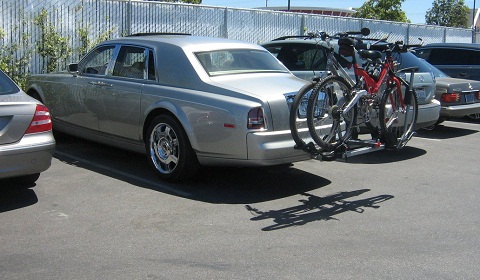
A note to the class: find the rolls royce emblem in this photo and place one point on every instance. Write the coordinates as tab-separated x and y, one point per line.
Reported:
470	86
421	78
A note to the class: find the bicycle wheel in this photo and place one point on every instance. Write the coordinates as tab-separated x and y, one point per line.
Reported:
396	125
298	120
328	125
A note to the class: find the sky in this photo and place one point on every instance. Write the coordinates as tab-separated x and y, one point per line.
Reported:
414	9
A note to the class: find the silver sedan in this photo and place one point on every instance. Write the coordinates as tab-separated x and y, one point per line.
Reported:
185	101
26	140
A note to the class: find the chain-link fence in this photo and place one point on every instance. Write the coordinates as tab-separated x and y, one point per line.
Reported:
83	22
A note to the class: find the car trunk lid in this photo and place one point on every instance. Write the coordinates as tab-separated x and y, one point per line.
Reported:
15	117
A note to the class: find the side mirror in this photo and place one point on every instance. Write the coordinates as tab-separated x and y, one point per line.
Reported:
73	69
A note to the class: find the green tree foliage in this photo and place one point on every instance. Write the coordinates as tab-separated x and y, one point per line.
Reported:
390	10
52	46
450	13
15	58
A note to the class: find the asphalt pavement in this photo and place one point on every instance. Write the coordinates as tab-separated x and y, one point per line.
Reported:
101	213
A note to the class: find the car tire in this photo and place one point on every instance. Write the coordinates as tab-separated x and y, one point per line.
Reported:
169	151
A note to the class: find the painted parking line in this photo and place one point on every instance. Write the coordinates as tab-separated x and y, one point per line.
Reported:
155	184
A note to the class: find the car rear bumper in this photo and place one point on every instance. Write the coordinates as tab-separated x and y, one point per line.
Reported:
271	148
264	149
460	110
33	154
428	114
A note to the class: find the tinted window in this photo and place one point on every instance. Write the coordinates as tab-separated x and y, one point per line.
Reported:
6	85
454	57
151	66
97	61
130	63
238	61
298	57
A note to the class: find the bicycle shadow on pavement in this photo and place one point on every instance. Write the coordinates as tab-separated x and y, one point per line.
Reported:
317	208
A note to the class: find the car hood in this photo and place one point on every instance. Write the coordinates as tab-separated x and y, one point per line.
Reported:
16	113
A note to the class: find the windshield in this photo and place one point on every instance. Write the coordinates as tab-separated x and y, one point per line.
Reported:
238	61
6	85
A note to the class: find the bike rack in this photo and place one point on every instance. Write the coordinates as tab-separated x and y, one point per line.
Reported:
353	148
366	146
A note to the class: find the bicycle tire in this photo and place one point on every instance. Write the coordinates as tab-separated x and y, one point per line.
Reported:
325	105
392	118
298	120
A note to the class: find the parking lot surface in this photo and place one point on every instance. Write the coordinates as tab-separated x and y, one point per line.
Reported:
100	213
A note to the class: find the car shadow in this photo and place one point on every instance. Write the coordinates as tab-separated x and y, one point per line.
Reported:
14	197
227	185
443	132
316	208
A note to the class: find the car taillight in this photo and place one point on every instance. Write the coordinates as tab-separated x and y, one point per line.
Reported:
450	97
477	95
256	119
41	120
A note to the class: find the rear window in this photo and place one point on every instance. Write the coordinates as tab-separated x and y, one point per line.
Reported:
238	61
444	56
7	86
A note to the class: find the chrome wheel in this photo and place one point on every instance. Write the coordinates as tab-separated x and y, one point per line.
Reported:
168	149
164	148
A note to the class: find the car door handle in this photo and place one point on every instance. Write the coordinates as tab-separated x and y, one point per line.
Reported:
102	84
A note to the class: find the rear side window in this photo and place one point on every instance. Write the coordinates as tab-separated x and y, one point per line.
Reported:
453	57
130	63
6	85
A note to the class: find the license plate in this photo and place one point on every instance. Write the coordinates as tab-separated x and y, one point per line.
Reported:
421	94
469	98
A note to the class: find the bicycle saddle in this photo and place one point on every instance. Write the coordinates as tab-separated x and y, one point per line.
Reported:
370	54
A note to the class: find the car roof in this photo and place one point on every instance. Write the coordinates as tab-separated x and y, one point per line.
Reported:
451	45
185	41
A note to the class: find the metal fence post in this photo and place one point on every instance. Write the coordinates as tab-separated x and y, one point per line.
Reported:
408	34
128	22
225	23
302	25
